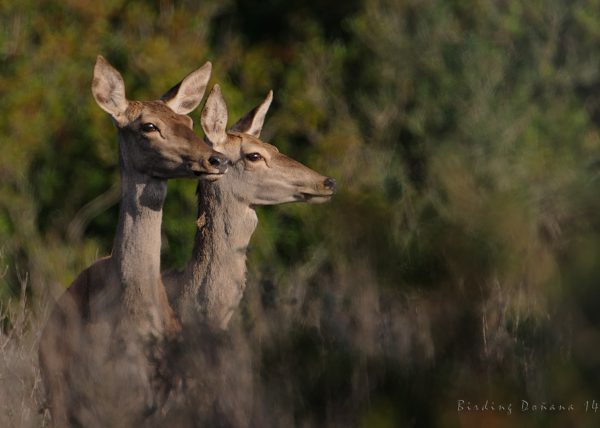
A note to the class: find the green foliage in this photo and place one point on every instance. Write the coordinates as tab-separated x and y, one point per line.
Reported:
458	258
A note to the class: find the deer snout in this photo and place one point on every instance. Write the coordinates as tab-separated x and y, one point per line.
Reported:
218	163
329	184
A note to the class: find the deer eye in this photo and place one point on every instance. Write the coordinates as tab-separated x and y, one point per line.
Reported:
254	157
149	127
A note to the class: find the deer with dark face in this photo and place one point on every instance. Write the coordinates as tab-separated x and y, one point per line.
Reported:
211	286
104	351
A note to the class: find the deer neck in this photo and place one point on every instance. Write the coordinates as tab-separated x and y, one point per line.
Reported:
215	277
136	249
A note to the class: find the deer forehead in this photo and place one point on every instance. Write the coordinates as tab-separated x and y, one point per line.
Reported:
148	111
249	143
275	158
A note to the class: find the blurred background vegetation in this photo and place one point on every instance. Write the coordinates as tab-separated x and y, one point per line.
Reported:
460	257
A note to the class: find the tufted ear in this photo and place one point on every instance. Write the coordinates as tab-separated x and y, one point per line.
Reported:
214	117
187	94
253	121
108	89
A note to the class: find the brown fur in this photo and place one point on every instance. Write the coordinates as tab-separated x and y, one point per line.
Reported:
212	285
207	293
104	353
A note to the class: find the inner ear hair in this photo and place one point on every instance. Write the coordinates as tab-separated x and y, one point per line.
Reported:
252	122
185	96
108	89
214	116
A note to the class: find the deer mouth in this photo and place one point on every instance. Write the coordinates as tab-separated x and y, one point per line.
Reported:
209	172
315	198
208	175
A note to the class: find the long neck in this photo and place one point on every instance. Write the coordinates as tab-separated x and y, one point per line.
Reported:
136	249
214	279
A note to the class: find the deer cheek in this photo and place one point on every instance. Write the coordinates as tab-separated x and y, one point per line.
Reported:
249	166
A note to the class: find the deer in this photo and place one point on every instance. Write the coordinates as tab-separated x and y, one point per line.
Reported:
205	294
211	286
104	350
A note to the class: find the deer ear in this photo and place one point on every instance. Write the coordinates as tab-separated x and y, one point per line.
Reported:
253	121
187	94
108	89
214	117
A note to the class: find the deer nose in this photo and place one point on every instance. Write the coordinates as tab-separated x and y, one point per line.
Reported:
329	183
221	162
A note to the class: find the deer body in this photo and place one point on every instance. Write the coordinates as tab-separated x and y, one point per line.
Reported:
211	286
205	295
214	280
104	351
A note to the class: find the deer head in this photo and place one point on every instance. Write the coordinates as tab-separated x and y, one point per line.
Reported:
260	174
156	137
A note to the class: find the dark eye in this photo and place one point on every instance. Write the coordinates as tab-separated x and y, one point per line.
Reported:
254	157
149	127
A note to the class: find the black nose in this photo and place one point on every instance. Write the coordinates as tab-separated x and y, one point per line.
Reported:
329	183
221	162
